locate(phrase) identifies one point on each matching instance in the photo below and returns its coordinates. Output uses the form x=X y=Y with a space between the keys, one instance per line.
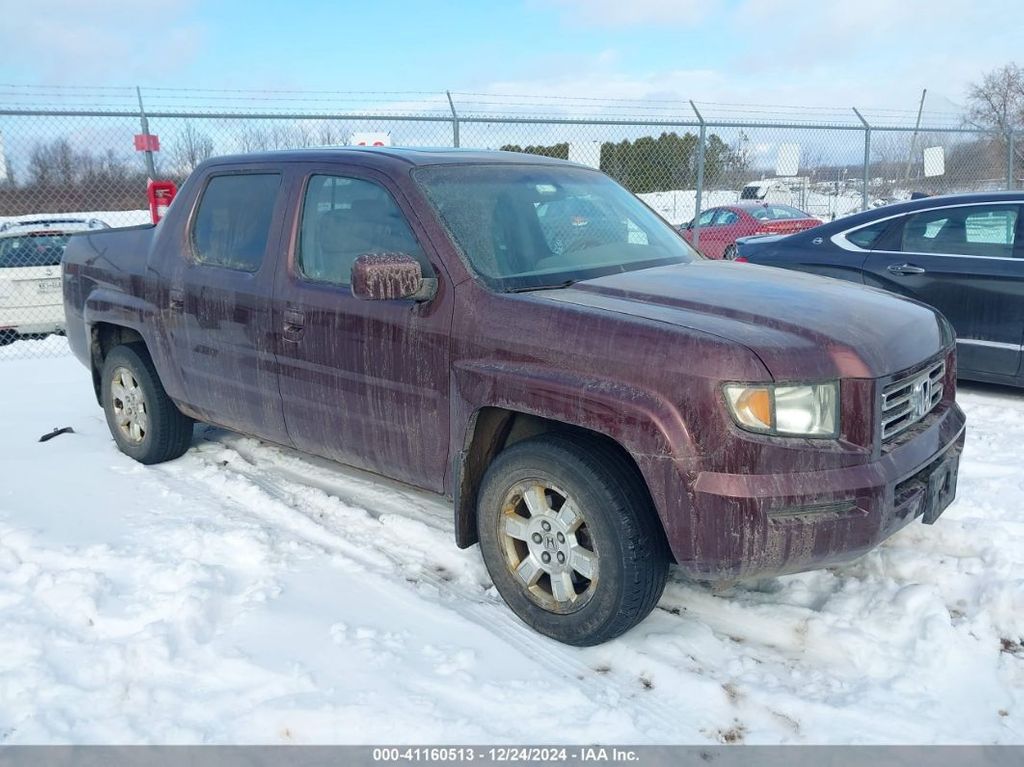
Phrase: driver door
x=363 y=382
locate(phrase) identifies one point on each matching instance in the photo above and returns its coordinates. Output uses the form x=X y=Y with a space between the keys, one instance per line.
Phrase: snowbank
x=114 y=218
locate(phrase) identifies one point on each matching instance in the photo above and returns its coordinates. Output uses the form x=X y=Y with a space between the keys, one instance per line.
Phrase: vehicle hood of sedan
x=802 y=327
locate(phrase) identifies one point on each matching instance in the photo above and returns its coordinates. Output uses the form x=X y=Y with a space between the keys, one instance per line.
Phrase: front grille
x=908 y=400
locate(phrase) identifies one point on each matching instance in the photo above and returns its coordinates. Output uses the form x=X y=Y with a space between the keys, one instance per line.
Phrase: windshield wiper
x=559 y=286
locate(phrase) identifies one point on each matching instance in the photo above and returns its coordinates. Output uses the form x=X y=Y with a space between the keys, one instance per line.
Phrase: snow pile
x=678 y=206
x=114 y=218
x=248 y=593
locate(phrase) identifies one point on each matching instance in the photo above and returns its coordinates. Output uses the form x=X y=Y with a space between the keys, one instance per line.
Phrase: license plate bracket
x=941 y=489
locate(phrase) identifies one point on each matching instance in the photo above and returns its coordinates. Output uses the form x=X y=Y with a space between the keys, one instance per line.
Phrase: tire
x=729 y=254
x=618 y=538
x=143 y=421
x=7 y=337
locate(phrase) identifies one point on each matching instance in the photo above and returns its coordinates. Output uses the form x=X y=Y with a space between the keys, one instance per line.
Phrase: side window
x=233 y=220
x=343 y=218
x=994 y=228
x=982 y=230
x=706 y=216
x=726 y=217
x=867 y=236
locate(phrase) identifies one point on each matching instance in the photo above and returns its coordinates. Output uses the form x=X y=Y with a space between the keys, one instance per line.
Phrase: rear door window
x=233 y=220
x=981 y=230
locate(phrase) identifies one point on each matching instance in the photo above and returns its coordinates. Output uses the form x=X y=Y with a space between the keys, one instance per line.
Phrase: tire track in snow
x=307 y=500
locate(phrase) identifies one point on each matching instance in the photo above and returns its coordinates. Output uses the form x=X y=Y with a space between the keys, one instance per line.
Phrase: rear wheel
x=570 y=539
x=730 y=253
x=144 y=422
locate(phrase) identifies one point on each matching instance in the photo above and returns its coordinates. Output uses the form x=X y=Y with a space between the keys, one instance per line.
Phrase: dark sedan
x=962 y=254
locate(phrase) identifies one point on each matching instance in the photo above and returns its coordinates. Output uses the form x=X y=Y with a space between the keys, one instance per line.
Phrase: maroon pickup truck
x=524 y=336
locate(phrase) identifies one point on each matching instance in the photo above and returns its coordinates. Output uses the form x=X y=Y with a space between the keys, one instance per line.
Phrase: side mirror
x=389 y=276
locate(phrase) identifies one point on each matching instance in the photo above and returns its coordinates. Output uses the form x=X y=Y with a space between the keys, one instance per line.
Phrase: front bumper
x=770 y=524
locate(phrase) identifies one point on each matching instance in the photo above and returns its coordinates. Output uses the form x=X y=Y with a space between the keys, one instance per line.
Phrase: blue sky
x=870 y=52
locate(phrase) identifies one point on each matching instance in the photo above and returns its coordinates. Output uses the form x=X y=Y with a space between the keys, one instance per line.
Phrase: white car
x=31 y=302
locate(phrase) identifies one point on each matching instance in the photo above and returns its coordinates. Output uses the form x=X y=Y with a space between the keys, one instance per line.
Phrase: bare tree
x=997 y=102
x=191 y=148
x=328 y=135
x=53 y=163
x=253 y=138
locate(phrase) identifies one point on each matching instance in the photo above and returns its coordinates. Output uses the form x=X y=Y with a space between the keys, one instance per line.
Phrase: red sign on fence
x=147 y=142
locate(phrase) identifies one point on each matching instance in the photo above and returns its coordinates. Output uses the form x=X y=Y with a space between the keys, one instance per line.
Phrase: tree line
x=649 y=164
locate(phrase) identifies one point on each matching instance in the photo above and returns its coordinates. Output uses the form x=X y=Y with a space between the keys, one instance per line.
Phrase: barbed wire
x=435 y=105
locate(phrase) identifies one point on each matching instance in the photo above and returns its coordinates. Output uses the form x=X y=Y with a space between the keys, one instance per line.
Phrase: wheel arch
x=103 y=337
x=491 y=412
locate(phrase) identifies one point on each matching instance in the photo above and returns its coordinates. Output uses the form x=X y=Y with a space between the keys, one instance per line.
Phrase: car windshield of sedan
x=529 y=227
x=44 y=249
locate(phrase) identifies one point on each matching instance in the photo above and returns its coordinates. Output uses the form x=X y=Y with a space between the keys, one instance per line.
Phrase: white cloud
x=121 y=41
x=613 y=13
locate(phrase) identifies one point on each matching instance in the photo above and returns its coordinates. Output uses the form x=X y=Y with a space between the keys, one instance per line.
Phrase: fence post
x=1010 y=150
x=700 y=173
x=145 y=132
x=867 y=160
x=455 y=120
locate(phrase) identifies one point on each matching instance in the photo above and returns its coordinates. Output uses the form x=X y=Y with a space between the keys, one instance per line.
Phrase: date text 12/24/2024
x=504 y=754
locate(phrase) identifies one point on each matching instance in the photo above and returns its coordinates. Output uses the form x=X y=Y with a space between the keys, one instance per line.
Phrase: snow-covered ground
x=248 y=593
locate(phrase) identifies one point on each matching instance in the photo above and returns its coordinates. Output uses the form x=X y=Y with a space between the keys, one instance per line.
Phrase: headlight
x=798 y=410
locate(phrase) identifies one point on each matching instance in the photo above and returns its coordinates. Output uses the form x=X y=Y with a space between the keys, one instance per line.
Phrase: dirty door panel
x=363 y=382
x=218 y=303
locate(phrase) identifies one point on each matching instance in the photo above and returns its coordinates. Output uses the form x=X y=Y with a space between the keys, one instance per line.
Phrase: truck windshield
x=528 y=227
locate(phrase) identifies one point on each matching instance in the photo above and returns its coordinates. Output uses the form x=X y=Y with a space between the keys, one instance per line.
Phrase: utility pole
x=913 y=137
x=145 y=132
x=700 y=173
x=455 y=120
x=866 y=177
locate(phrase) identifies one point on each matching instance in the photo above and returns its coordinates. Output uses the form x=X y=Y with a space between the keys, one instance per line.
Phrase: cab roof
x=375 y=157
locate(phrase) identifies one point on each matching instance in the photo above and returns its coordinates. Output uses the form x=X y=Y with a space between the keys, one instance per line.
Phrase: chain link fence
x=65 y=169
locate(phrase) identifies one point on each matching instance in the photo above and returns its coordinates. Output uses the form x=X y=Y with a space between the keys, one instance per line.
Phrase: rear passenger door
x=965 y=261
x=363 y=382
x=217 y=301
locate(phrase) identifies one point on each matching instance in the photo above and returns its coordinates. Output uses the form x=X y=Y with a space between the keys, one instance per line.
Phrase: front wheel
x=144 y=422
x=570 y=538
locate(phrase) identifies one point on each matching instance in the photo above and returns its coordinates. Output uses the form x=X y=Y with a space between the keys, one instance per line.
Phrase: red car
x=721 y=227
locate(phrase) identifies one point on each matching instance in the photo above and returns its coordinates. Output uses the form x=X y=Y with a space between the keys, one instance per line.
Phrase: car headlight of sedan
x=789 y=410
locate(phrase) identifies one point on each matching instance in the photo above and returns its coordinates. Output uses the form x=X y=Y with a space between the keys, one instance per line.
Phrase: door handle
x=176 y=299
x=905 y=269
x=294 y=323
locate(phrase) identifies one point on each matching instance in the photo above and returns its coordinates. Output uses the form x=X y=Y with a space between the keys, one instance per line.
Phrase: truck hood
x=801 y=326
